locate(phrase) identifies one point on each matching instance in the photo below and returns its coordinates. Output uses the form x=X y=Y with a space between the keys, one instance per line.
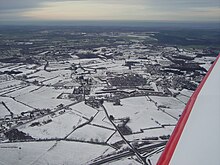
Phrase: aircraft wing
x=196 y=138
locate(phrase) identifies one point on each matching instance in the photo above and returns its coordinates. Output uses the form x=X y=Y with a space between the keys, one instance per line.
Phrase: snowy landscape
x=74 y=97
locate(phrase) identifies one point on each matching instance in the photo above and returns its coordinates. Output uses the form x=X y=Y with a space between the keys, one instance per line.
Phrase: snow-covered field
x=91 y=133
x=38 y=97
x=53 y=153
x=37 y=100
x=23 y=153
x=65 y=130
x=3 y=111
x=8 y=85
x=84 y=110
x=143 y=113
x=101 y=120
x=59 y=127
x=13 y=105
x=169 y=102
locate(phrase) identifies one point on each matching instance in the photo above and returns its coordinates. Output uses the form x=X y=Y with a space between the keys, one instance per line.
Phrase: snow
x=187 y=92
x=91 y=133
x=174 y=112
x=53 y=81
x=206 y=66
x=58 y=65
x=7 y=84
x=102 y=120
x=205 y=59
x=124 y=161
x=10 y=153
x=145 y=118
x=42 y=101
x=170 y=102
x=37 y=97
x=14 y=106
x=142 y=113
x=139 y=117
x=22 y=91
x=53 y=153
x=141 y=121
x=3 y=111
x=150 y=116
x=145 y=134
x=205 y=62
x=64 y=124
x=162 y=118
x=10 y=85
x=183 y=98
x=49 y=91
x=43 y=75
x=151 y=133
x=155 y=157
x=70 y=153
x=84 y=109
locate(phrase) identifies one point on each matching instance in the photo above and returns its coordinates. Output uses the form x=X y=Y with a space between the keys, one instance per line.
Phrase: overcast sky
x=166 y=10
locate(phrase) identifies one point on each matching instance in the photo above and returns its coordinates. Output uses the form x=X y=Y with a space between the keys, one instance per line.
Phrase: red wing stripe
x=174 y=139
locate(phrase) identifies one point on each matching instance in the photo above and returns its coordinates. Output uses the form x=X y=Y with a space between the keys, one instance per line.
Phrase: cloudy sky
x=166 y=10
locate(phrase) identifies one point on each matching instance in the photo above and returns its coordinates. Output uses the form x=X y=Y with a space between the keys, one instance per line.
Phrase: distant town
x=94 y=96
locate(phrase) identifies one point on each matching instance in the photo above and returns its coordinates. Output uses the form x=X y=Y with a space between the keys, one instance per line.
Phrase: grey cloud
x=14 y=8
x=18 y=4
x=24 y=4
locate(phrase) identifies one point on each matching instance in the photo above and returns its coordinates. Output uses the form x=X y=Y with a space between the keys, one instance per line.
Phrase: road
x=127 y=153
x=142 y=159
x=31 y=120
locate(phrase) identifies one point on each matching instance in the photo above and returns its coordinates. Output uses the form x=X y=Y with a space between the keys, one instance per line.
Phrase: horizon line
x=114 y=23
